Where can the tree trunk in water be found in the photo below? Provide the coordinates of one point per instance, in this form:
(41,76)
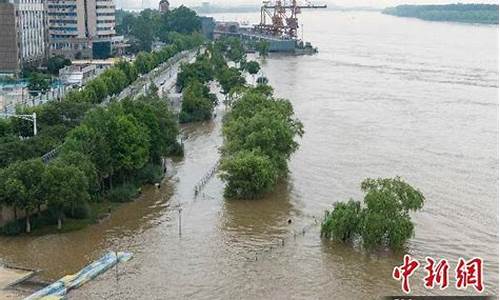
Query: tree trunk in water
(15,213)
(28,224)
(59,223)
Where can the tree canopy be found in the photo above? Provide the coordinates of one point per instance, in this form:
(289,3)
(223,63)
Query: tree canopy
(382,220)
(149,25)
(259,134)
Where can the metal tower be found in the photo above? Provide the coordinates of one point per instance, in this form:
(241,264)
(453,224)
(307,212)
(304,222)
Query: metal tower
(283,17)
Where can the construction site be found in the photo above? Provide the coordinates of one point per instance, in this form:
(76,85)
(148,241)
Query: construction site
(279,26)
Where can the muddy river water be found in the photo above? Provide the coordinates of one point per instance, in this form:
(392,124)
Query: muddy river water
(385,96)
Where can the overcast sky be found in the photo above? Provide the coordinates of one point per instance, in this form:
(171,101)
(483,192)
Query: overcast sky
(347,3)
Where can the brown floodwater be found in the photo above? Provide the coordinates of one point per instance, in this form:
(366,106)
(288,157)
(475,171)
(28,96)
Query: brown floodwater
(385,96)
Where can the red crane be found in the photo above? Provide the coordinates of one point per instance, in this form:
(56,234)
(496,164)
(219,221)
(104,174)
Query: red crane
(283,16)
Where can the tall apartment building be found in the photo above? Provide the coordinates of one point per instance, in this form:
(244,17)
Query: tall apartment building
(23,34)
(80,28)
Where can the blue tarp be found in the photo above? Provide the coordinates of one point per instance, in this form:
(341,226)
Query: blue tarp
(60,288)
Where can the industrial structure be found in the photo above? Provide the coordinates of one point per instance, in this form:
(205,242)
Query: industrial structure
(278,27)
(283,17)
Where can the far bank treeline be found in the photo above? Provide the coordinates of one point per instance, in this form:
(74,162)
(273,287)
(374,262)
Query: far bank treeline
(465,13)
(105,149)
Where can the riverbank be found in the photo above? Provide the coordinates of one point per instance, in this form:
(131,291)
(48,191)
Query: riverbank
(461,13)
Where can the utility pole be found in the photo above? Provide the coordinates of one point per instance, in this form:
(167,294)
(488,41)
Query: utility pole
(180,220)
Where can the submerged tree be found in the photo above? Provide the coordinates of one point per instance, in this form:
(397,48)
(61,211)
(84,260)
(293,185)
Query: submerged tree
(197,103)
(383,219)
(247,174)
(263,48)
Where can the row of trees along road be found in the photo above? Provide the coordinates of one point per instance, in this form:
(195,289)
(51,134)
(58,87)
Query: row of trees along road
(118,143)
(193,79)
(115,148)
(259,130)
(56,118)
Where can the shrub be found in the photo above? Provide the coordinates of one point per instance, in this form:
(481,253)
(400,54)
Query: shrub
(13,228)
(81,211)
(123,193)
(342,223)
(150,173)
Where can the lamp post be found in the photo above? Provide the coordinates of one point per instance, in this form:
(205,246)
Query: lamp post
(31,118)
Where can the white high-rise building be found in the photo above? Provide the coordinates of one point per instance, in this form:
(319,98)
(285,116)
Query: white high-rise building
(23,34)
(76,26)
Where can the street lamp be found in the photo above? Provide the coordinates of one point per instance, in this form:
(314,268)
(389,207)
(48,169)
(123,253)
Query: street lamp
(31,118)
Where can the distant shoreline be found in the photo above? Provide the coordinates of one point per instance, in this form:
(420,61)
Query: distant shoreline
(215,9)
(461,13)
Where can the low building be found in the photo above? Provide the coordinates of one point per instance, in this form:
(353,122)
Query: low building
(77,75)
(23,34)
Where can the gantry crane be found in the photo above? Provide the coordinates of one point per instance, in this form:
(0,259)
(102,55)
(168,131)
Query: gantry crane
(283,16)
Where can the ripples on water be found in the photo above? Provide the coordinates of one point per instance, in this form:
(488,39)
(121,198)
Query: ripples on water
(385,96)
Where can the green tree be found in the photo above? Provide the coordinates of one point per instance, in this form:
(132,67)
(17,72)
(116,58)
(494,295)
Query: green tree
(84,164)
(142,30)
(263,48)
(144,113)
(115,80)
(23,184)
(129,142)
(247,175)
(252,67)
(57,62)
(143,63)
(38,83)
(124,22)
(91,139)
(201,70)
(182,20)
(236,51)
(64,186)
(97,90)
(230,78)
(196,103)
(128,69)
(383,220)
(342,222)
(13,193)
(262,126)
